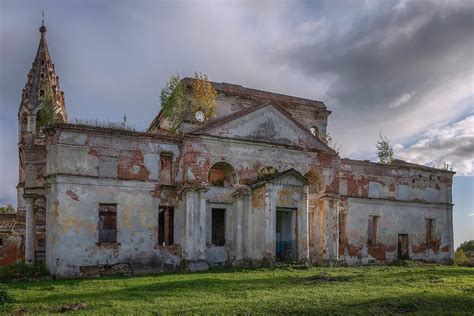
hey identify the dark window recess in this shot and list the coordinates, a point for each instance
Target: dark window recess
(218, 226)
(166, 168)
(41, 244)
(41, 93)
(42, 62)
(42, 75)
(222, 174)
(372, 230)
(403, 247)
(107, 223)
(1, 247)
(430, 227)
(342, 228)
(165, 226)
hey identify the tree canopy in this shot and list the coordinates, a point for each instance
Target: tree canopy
(384, 150)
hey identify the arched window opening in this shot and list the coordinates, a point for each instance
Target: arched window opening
(41, 93)
(222, 174)
(39, 123)
(314, 130)
(316, 182)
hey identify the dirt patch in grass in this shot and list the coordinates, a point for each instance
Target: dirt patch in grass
(69, 308)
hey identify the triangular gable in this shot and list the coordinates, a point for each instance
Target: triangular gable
(268, 122)
(280, 176)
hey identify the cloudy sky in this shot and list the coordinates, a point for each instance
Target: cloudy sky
(400, 68)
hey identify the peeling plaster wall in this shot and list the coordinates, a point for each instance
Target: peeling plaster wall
(372, 180)
(404, 197)
(247, 158)
(86, 169)
(395, 218)
(74, 238)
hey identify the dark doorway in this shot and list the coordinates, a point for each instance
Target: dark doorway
(218, 226)
(403, 247)
(165, 226)
(285, 235)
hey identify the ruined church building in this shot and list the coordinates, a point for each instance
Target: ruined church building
(255, 185)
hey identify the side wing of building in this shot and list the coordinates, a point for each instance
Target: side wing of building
(390, 212)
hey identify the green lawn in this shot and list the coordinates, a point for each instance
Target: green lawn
(425, 289)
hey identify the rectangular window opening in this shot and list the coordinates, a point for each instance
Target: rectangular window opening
(1, 247)
(342, 228)
(218, 226)
(372, 230)
(430, 227)
(165, 226)
(166, 168)
(107, 223)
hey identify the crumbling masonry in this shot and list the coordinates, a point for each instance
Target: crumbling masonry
(255, 185)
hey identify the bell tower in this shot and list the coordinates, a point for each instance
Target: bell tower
(42, 104)
(41, 87)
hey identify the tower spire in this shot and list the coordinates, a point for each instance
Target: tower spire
(42, 81)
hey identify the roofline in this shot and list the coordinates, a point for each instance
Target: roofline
(403, 164)
(109, 130)
(239, 90)
(157, 117)
(252, 94)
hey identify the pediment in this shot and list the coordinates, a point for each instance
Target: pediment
(269, 123)
(289, 177)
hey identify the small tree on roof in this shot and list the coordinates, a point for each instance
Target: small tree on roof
(205, 96)
(384, 150)
(46, 115)
(173, 101)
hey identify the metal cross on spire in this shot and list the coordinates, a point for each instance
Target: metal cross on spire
(42, 28)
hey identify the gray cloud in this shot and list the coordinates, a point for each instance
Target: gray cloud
(389, 67)
(394, 67)
(451, 144)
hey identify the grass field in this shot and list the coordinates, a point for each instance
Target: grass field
(426, 289)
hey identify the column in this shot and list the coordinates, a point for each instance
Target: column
(330, 215)
(303, 241)
(239, 208)
(248, 239)
(201, 240)
(190, 225)
(270, 224)
(450, 232)
(30, 231)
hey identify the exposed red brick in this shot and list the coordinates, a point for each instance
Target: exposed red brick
(378, 251)
(129, 161)
(72, 195)
(424, 247)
